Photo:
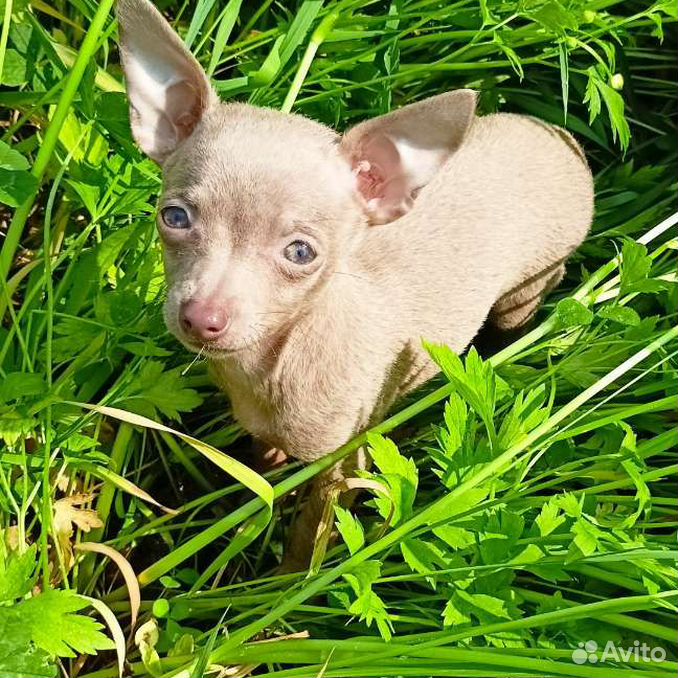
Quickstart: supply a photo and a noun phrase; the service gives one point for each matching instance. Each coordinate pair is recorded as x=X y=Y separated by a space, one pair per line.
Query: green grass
x=527 y=499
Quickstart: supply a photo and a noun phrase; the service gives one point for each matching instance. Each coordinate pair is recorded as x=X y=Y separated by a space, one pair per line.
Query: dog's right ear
x=168 y=90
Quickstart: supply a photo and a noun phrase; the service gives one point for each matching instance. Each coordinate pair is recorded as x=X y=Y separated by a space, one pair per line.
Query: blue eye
x=175 y=217
x=299 y=252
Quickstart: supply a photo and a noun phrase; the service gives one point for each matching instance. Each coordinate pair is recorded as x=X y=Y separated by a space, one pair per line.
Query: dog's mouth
x=215 y=349
x=211 y=350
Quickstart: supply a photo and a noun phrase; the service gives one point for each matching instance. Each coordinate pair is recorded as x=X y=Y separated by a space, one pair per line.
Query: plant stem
x=319 y=36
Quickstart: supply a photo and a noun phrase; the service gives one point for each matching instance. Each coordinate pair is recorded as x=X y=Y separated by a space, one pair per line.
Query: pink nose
x=203 y=319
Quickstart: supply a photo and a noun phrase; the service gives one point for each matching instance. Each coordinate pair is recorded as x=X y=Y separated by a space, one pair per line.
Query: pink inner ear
x=369 y=179
x=376 y=164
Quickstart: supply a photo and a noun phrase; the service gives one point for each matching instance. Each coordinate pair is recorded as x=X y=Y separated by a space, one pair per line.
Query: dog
x=307 y=266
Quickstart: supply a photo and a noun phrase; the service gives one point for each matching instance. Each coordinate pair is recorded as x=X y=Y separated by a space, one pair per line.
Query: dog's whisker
x=194 y=361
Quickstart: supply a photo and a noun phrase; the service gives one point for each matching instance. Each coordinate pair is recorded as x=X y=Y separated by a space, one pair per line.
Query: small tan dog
x=309 y=266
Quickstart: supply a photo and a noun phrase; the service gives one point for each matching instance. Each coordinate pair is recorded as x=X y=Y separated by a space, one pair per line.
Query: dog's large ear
x=395 y=155
x=168 y=90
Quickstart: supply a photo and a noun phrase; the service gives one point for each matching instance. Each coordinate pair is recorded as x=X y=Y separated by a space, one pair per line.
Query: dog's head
x=261 y=208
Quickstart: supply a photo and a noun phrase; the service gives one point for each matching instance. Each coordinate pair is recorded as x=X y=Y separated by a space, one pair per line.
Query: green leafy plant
x=39 y=628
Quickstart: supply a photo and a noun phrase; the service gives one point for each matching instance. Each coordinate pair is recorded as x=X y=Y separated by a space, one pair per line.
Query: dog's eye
x=175 y=217
x=299 y=252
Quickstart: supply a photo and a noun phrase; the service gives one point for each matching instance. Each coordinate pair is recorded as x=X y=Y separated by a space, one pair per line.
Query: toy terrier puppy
x=308 y=266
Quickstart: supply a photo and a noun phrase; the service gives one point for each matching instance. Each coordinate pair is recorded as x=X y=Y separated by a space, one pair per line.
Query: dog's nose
x=203 y=320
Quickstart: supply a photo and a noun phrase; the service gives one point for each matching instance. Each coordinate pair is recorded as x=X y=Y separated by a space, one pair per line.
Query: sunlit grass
x=542 y=510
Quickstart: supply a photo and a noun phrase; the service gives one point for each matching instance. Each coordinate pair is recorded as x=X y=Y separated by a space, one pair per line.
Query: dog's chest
x=250 y=398
x=302 y=405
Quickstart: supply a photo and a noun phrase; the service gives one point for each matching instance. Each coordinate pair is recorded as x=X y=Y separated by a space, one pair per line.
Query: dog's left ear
x=395 y=155
x=168 y=90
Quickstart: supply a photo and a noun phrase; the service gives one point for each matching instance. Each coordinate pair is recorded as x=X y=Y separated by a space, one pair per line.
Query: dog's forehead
x=242 y=201
x=260 y=138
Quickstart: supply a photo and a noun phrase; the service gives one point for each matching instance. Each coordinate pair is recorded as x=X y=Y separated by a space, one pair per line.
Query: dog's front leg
x=325 y=490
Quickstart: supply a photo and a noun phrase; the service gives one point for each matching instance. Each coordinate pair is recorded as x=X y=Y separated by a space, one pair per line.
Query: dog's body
x=434 y=274
x=310 y=267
